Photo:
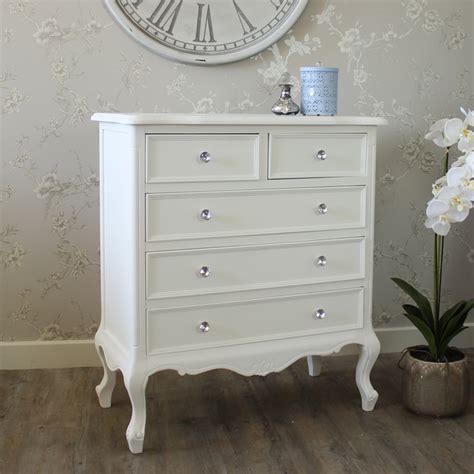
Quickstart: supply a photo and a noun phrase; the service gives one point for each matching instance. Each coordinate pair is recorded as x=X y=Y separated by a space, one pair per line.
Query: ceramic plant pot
x=435 y=388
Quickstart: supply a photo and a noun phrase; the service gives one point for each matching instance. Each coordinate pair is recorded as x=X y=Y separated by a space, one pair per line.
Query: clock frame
x=157 y=28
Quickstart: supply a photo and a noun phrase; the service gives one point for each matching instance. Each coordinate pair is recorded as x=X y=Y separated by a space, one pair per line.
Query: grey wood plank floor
x=220 y=422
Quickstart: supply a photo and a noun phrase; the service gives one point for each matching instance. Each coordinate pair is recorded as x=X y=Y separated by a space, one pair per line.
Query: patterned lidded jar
x=319 y=90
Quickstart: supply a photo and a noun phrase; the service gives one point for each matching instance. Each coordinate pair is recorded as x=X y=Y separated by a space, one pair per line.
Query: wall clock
x=206 y=31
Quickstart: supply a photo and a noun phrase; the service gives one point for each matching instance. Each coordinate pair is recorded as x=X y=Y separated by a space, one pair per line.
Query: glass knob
x=322 y=155
x=204 y=326
x=206 y=214
x=204 y=272
x=323 y=209
x=319 y=314
x=322 y=260
x=205 y=157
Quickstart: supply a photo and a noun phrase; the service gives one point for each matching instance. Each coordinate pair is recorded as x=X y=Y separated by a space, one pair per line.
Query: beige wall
x=409 y=61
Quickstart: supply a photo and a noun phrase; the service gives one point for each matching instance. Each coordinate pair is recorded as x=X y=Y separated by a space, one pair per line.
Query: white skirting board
x=66 y=354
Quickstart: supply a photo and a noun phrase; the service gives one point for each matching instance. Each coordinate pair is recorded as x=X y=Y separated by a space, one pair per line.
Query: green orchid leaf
x=454 y=318
x=452 y=327
x=443 y=345
x=413 y=310
x=425 y=330
x=421 y=301
x=450 y=313
x=470 y=305
x=416 y=313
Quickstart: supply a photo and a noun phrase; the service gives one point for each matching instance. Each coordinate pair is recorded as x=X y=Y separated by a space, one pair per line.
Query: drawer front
x=190 y=272
x=184 y=158
x=177 y=329
x=218 y=214
x=317 y=156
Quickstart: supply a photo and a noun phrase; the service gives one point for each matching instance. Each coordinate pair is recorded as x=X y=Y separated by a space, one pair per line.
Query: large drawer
x=317 y=155
x=171 y=216
x=185 y=158
x=190 y=272
x=195 y=327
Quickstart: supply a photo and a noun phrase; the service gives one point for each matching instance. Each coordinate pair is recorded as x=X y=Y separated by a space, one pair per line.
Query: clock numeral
x=277 y=3
x=244 y=21
x=165 y=15
x=137 y=3
x=204 y=28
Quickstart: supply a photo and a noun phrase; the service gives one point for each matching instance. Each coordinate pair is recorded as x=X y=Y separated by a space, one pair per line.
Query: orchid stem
x=438 y=265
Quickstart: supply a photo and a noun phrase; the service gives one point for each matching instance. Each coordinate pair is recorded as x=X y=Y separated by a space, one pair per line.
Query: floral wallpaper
x=407 y=60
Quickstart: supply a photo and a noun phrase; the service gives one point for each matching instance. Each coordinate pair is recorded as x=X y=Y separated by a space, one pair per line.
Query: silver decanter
x=285 y=104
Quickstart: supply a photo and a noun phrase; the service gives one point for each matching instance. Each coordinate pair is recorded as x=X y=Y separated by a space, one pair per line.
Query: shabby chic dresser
x=241 y=242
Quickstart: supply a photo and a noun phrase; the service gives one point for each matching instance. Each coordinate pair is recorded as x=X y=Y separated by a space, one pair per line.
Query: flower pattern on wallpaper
x=409 y=61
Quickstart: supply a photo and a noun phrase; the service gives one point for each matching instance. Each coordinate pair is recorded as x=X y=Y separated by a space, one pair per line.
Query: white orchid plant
x=453 y=198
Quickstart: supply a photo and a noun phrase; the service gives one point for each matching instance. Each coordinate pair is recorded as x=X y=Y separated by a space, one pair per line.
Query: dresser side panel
x=119 y=236
x=370 y=241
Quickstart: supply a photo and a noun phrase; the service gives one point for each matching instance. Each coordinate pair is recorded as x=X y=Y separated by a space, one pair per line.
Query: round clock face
x=206 y=31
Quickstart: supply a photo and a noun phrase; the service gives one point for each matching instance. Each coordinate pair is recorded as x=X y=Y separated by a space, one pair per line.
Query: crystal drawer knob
x=321 y=261
x=319 y=314
x=204 y=272
x=204 y=326
x=206 y=215
x=205 y=157
x=322 y=155
x=323 y=209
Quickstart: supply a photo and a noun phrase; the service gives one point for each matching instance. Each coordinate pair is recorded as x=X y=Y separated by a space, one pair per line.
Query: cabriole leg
x=106 y=387
x=136 y=387
x=368 y=355
x=314 y=365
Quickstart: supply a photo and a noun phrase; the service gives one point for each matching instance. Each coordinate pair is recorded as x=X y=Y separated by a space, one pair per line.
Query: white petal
x=469 y=192
x=438 y=125
x=440 y=141
x=434 y=134
x=466 y=144
x=456 y=176
x=458 y=216
x=442 y=227
x=430 y=222
x=452 y=130
x=470 y=158
x=437 y=208
x=447 y=193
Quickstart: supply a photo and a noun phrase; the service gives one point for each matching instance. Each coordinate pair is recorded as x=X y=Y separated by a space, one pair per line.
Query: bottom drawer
x=197 y=327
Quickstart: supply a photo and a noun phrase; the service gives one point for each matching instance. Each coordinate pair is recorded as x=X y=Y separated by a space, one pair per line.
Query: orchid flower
x=445 y=132
x=438 y=220
x=452 y=204
x=454 y=192
x=462 y=177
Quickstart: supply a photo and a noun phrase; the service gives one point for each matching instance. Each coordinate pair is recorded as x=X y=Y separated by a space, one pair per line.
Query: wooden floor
x=220 y=422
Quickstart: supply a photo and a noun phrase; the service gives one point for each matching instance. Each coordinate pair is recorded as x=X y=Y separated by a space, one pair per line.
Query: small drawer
x=193 y=158
x=197 y=327
x=176 y=216
x=317 y=155
x=227 y=269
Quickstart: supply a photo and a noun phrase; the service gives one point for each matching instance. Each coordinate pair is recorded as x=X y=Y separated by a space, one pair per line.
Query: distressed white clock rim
x=202 y=60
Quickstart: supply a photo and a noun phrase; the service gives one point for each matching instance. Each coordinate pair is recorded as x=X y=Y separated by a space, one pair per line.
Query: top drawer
x=317 y=155
x=185 y=158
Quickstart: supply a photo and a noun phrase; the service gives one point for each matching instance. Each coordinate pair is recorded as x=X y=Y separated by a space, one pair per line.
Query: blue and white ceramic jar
x=319 y=90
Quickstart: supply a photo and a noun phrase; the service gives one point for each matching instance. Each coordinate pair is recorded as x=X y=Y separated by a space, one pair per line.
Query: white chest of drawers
x=241 y=242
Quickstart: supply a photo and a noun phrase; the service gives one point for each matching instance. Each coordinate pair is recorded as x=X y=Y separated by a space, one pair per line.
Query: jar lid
x=319 y=69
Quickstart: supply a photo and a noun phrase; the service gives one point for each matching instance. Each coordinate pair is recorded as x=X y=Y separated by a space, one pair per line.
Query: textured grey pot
x=435 y=388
